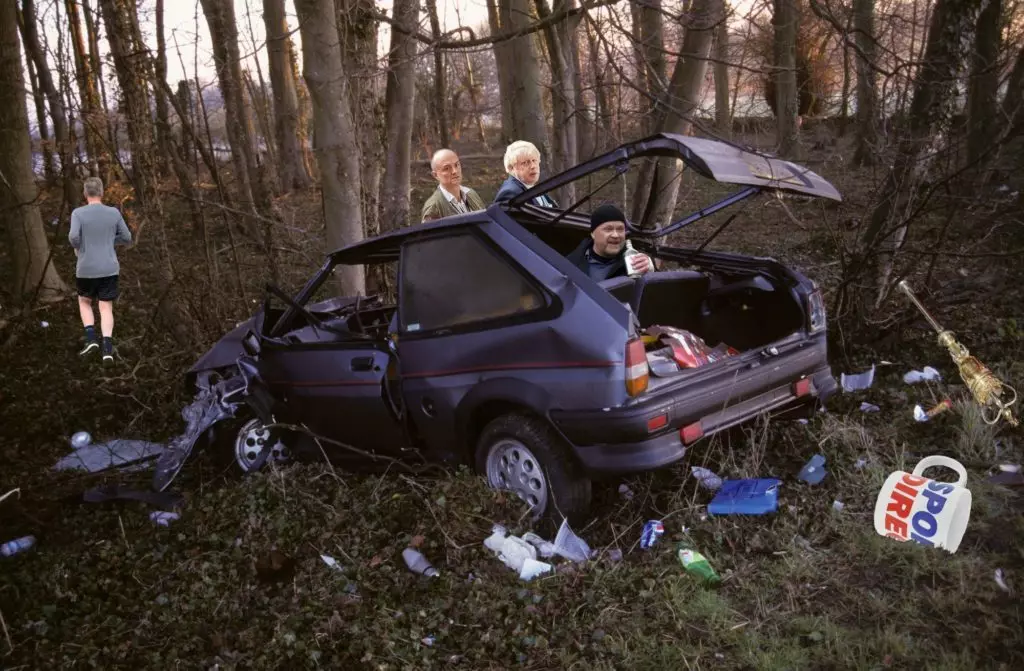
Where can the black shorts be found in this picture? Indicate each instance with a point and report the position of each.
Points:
(101, 288)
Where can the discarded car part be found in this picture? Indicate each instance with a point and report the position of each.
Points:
(746, 497)
(523, 454)
(116, 492)
(117, 453)
(255, 444)
(209, 407)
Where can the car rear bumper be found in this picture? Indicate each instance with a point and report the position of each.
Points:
(621, 440)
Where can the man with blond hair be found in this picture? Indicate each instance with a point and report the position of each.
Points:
(522, 163)
(95, 229)
(450, 197)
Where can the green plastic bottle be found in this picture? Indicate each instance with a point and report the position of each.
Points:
(696, 565)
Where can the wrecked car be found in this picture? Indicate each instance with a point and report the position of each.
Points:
(497, 352)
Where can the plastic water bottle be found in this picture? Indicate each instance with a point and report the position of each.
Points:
(17, 545)
(629, 256)
(696, 565)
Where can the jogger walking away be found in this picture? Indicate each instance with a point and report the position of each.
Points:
(95, 229)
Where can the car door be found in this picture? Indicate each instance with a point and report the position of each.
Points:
(465, 307)
(339, 389)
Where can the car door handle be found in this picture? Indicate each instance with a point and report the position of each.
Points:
(362, 364)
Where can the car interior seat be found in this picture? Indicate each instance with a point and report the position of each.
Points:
(670, 298)
(622, 288)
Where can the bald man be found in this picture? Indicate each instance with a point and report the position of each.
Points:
(450, 197)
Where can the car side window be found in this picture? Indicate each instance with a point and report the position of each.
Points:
(459, 279)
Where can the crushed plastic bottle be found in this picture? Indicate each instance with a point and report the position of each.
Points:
(696, 564)
(17, 545)
(417, 563)
(707, 478)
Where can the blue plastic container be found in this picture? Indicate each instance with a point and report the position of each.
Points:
(746, 497)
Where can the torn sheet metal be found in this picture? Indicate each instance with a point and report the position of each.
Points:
(97, 457)
(211, 405)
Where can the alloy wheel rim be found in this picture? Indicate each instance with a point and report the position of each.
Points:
(512, 466)
(251, 440)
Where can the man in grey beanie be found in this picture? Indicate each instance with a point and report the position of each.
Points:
(95, 229)
(601, 255)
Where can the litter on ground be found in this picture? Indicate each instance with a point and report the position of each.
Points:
(163, 517)
(857, 381)
(929, 374)
(746, 497)
(813, 471)
(868, 407)
(707, 478)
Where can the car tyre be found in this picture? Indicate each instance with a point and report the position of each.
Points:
(237, 443)
(518, 452)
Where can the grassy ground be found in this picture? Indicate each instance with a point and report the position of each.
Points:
(238, 582)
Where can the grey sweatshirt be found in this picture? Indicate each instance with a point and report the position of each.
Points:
(95, 229)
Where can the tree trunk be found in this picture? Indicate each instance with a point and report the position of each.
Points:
(786, 104)
(185, 118)
(163, 124)
(1013, 101)
(400, 107)
(584, 117)
(220, 17)
(504, 64)
(866, 152)
(931, 111)
(844, 106)
(130, 65)
(524, 93)
(357, 30)
(722, 119)
(603, 116)
(45, 146)
(106, 162)
(983, 87)
(658, 183)
(291, 166)
(652, 34)
(34, 50)
(440, 76)
(563, 97)
(29, 248)
(91, 118)
(334, 141)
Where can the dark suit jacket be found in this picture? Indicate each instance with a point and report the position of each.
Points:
(512, 187)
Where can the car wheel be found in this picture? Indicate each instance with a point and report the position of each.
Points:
(243, 442)
(524, 454)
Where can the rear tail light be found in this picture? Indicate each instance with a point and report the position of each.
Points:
(815, 312)
(802, 387)
(637, 372)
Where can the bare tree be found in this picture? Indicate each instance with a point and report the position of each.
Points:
(291, 166)
(931, 112)
(34, 50)
(652, 52)
(90, 104)
(440, 100)
(722, 118)
(658, 183)
(107, 164)
(132, 74)
(563, 97)
(46, 147)
(523, 78)
(867, 87)
(785, 19)
(30, 250)
(334, 141)
(163, 124)
(220, 16)
(983, 87)
(400, 104)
